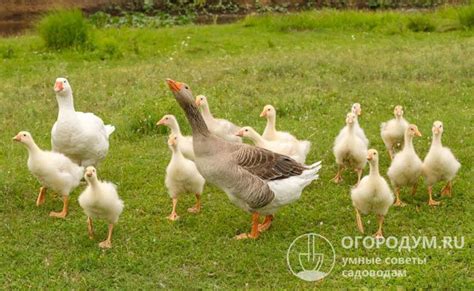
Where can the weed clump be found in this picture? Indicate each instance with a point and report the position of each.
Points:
(466, 17)
(65, 29)
(420, 24)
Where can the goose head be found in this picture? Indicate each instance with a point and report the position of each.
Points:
(62, 87)
(181, 92)
(201, 101)
(356, 109)
(90, 174)
(167, 120)
(268, 111)
(24, 137)
(412, 130)
(437, 128)
(398, 111)
(372, 156)
(350, 118)
(247, 131)
(172, 141)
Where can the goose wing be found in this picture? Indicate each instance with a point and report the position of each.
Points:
(267, 165)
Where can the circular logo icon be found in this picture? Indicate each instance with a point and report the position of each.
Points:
(311, 257)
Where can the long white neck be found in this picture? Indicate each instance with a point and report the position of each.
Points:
(436, 143)
(175, 128)
(206, 112)
(270, 128)
(257, 139)
(33, 149)
(408, 144)
(94, 183)
(374, 169)
(177, 155)
(66, 105)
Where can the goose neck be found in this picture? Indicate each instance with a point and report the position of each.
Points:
(195, 118)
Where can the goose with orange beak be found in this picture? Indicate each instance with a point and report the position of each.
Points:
(82, 137)
(372, 195)
(349, 150)
(185, 142)
(255, 179)
(393, 131)
(100, 200)
(271, 134)
(406, 167)
(53, 170)
(440, 164)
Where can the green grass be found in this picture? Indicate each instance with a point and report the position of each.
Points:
(311, 76)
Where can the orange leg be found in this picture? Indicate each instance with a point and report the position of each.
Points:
(266, 223)
(398, 202)
(174, 216)
(41, 196)
(197, 207)
(447, 190)
(379, 233)
(63, 213)
(107, 244)
(90, 229)
(338, 177)
(360, 226)
(432, 202)
(254, 233)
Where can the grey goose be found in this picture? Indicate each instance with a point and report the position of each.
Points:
(255, 179)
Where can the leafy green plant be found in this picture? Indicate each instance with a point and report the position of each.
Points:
(466, 16)
(65, 29)
(420, 24)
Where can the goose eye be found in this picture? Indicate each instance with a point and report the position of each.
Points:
(375, 154)
(64, 81)
(24, 134)
(166, 118)
(202, 99)
(268, 109)
(186, 87)
(246, 130)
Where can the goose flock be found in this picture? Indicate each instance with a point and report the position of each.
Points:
(259, 178)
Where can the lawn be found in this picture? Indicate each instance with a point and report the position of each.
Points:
(311, 74)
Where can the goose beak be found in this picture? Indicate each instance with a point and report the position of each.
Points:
(174, 86)
(263, 114)
(240, 133)
(89, 174)
(369, 157)
(359, 112)
(198, 102)
(435, 130)
(58, 86)
(160, 122)
(417, 133)
(17, 137)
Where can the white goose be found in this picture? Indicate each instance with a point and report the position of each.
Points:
(372, 195)
(271, 134)
(185, 142)
(393, 131)
(439, 164)
(53, 170)
(82, 137)
(220, 127)
(349, 149)
(357, 110)
(406, 167)
(182, 176)
(289, 149)
(100, 200)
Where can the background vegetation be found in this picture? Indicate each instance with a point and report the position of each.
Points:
(311, 67)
